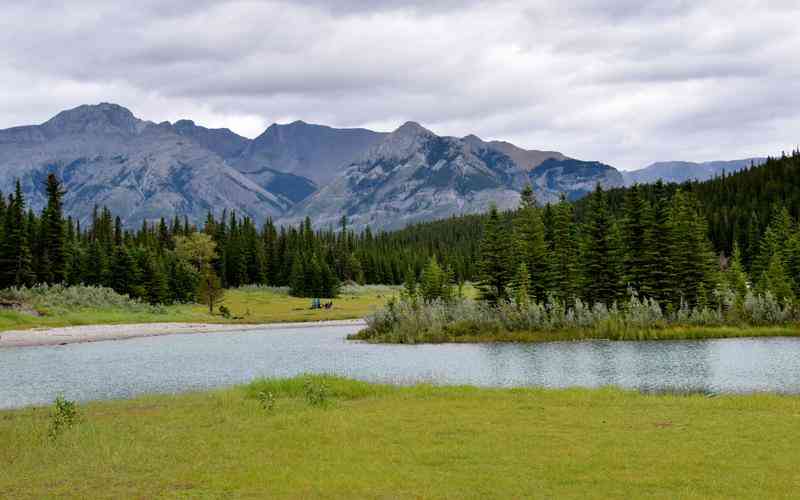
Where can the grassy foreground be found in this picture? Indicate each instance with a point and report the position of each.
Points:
(247, 305)
(374, 441)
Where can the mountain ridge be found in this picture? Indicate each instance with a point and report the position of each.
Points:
(682, 171)
(145, 170)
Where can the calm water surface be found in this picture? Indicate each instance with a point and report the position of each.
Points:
(177, 363)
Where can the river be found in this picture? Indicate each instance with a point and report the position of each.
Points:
(188, 362)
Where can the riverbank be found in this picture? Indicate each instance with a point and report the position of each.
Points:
(247, 306)
(455, 336)
(375, 441)
(96, 333)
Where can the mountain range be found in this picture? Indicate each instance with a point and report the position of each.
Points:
(144, 170)
(681, 171)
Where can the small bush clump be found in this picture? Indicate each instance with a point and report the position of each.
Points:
(317, 392)
(63, 417)
(267, 400)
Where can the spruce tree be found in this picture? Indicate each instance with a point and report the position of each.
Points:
(792, 255)
(637, 225)
(53, 231)
(775, 280)
(297, 282)
(435, 282)
(124, 272)
(735, 275)
(774, 241)
(312, 277)
(521, 285)
(602, 254)
(657, 279)
(183, 281)
(155, 280)
(96, 269)
(328, 281)
(495, 259)
(16, 264)
(531, 246)
(563, 266)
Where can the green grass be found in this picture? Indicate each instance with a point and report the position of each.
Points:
(251, 305)
(377, 441)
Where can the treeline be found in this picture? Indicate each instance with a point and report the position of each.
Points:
(655, 244)
(158, 261)
(664, 240)
(738, 207)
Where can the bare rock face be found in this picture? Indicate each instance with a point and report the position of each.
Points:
(414, 175)
(315, 152)
(140, 170)
(143, 171)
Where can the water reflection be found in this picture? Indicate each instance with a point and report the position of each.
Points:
(191, 362)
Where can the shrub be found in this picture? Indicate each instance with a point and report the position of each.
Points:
(63, 417)
(267, 400)
(410, 322)
(57, 299)
(317, 392)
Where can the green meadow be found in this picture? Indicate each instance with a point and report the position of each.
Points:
(248, 305)
(324, 437)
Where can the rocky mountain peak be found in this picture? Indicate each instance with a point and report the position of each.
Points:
(407, 140)
(473, 140)
(103, 118)
(412, 129)
(184, 124)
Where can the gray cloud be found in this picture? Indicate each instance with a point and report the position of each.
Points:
(626, 82)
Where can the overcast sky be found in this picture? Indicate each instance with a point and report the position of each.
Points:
(626, 82)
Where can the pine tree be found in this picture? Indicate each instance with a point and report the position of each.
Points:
(409, 292)
(96, 269)
(774, 241)
(297, 278)
(531, 246)
(495, 256)
(692, 258)
(735, 276)
(657, 279)
(637, 225)
(602, 255)
(521, 285)
(435, 283)
(328, 281)
(155, 280)
(792, 255)
(183, 281)
(16, 262)
(312, 277)
(53, 232)
(124, 272)
(775, 280)
(563, 263)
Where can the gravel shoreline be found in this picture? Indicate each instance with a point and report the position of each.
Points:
(97, 333)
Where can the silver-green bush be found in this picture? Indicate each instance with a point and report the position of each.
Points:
(405, 321)
(54, 299)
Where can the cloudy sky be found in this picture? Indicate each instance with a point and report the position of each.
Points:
(626, 82)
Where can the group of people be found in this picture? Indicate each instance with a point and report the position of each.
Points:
(317, 304)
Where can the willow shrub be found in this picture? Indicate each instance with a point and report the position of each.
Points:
(409, 322)
(54, 299)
